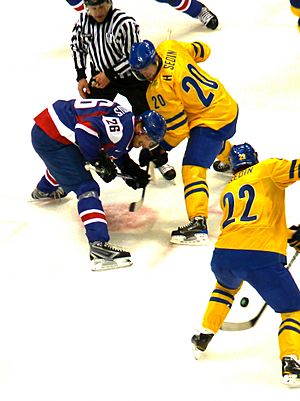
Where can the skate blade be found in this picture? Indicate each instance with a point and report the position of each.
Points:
(46, 201)
(196, 240)
(102, 265)
(197, 352)
(227, 172)
(291, 380)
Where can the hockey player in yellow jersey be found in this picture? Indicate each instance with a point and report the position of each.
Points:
(252, 247)
(196, 107)
(295, 8)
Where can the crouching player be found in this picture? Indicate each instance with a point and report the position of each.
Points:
(67, 135)
(252, 247)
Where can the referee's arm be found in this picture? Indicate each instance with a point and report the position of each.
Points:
(128, 33)
(79, 51)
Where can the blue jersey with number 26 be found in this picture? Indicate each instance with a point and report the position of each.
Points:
(91, 124)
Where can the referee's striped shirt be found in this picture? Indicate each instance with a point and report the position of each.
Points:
(107, 44)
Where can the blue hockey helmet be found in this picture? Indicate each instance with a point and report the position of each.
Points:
(142, 54)
(154, 125)
(242, 156)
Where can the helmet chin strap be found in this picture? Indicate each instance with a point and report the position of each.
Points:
(138, 75)
(158, 64)
(153, 145)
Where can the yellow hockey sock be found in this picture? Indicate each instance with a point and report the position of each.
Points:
(218, 307)
(224, 155)
(289, 334)
(196, 191)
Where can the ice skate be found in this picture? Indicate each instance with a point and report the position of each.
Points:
(200, 341)
(221, 167)
(59, 193)
(104, 256)
(290, 370)
(194, 233)
(208, 18)
(167, 171)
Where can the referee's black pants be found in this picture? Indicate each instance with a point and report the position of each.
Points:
(131, 88)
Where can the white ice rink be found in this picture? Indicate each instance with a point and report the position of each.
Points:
(69, 334)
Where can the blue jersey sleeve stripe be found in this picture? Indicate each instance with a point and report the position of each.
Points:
(175, 126)
(292, 169)
(201, 48)
(170, 120)
(195, 48)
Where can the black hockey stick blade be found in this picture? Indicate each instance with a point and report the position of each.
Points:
(239, 326)
(134, 206)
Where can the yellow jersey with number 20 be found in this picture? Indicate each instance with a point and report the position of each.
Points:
(185, 94)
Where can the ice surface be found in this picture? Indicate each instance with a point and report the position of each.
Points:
(71, 334)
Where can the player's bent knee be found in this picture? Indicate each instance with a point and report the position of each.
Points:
(291, 315)
(231, 291)
(88, 189)
(190, 173)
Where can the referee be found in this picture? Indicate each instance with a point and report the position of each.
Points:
(105, 34)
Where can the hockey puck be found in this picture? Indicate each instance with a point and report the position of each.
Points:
(244, 302)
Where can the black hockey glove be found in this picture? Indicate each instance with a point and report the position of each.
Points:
(295, 240)
(140, 178)
(156, 155)
(105, 168)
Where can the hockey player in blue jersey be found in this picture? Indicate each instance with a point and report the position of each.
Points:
(193, 8)
(78, 5)
(67, 135)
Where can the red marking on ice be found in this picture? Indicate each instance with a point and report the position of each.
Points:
(119, 219)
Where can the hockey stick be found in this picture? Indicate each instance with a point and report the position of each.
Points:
(134, 206)
(90, 167)
(227, 326)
